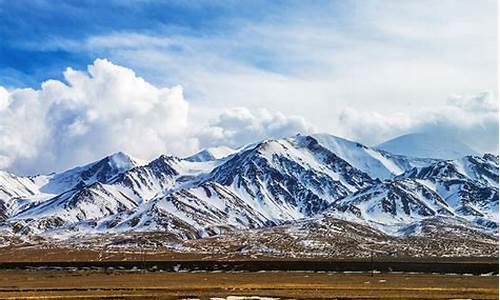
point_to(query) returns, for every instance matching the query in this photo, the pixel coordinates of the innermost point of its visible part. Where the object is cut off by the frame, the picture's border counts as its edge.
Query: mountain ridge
(265, 184)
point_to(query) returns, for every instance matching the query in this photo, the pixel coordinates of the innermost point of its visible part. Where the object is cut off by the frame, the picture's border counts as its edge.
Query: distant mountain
(212, 153)
(376, 163)
(425, 145)
(318, 178)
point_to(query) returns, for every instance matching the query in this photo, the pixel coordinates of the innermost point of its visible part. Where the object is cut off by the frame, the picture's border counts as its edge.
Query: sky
(82, 79)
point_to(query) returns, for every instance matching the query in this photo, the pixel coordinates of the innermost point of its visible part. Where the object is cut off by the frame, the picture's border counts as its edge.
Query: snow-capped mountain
(100, 171)
(289, 178)
(376, 163)
(23, 196)
(466, 188)
(483, 170)
(469, 185)
(264, 184)
(392, 204)
(14, 187)
(212, 153)
(426, 145)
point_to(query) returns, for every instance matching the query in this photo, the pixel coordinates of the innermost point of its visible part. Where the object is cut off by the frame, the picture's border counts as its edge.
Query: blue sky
(25, 27)
(366, 70)
(29, 28)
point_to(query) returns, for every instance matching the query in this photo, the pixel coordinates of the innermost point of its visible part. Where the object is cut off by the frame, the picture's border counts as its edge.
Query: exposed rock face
(298, 180)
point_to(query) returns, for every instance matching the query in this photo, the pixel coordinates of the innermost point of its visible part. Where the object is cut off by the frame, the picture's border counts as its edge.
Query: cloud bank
(237, 126)
(366, 72)
(311, 59)
(473, 119)
(92, 114)
(109, 109)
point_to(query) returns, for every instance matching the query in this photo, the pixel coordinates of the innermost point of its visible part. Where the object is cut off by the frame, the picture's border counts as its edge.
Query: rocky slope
(296, 181)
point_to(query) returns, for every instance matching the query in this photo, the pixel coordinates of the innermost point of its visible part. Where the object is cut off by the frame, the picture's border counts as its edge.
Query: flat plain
(64, 273)
(99, 284)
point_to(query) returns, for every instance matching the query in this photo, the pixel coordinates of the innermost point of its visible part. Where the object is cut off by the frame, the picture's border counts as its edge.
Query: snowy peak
(377, 164)
(99, 171)
(147, 181)
(289, 178)
(163, 165)
(466, 188)
(296, 157)
(425, 145)
(210, 154)
(266, 183)
(121, 161)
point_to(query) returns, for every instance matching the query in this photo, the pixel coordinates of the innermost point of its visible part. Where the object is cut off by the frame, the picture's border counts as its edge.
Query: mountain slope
(327, 237)
(392, 204)
(469, 185)
(291, 182)
(84, 206)
(17, 192)
(100, 171)
(201, 211)
(376, 163)
(289, 178)
(464, 189)
(107, 194)
(266, 183)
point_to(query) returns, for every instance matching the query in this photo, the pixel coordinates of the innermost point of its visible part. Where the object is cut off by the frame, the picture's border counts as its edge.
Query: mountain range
(297, 184)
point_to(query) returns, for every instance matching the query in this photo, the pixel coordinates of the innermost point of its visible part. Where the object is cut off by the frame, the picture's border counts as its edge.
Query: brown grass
(299, 285)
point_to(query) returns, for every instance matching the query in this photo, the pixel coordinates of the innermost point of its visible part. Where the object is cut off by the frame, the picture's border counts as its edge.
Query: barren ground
(19, 284)
(72, 254)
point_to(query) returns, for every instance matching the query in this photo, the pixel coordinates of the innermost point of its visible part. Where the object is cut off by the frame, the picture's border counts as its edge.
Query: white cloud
(94, 113)
(313, 60)
(393, 63)
(470, 118)
(4, 98)
(109, 109)
(239, 126)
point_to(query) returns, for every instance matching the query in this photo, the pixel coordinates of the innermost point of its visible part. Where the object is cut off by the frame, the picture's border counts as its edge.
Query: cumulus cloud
(94, 113)
(239, 126)
(109, 108)
(314, 60)
(470, 118)
(4, 98)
